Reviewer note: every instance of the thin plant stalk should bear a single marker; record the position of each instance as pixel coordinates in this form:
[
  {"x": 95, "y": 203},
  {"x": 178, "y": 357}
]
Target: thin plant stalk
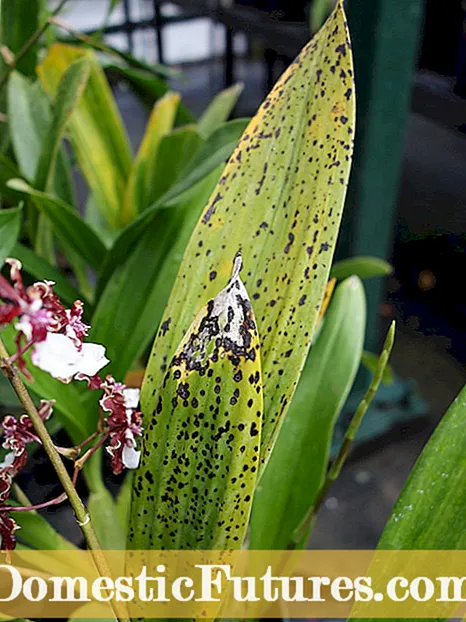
[
  {"x": 337, "y": 465},
  {"x": 81, "y": 514}
]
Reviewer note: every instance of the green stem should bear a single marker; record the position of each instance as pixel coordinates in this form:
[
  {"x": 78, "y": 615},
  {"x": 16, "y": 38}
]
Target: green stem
[
  {"x": 29, "y": 43},
  {"x": 350, "y": 434},
  {"x": 81, "y": 514}
]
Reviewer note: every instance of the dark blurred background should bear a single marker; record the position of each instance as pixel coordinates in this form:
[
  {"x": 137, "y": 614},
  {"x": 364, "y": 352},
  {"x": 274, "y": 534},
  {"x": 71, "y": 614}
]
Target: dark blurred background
[{"x": 406, "y": 201}]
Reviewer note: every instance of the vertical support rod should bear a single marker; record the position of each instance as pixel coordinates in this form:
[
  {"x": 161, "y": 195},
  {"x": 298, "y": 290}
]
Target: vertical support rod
[
  {"x": 229, "y": 57},
  {"x": 158, "y": 32},
  {"x": 385, "y": 36},
  {"x": 128, "y": 25}
]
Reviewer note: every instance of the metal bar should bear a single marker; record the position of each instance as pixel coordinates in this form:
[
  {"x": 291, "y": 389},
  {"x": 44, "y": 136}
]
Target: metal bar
[
  {"x": 127, "y": 22},
  {"x": 229, "y": 57},
  {"x": 159, "y": 23}
]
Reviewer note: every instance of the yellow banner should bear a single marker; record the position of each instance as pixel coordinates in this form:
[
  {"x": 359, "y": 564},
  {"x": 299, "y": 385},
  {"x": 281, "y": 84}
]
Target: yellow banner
[{"x": 234, "y": 584}]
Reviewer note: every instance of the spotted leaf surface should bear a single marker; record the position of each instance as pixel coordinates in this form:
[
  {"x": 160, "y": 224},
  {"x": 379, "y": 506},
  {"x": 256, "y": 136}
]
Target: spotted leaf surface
[
  {"x": 201, "y": 447},
  {"x": 279, "y": 201}
]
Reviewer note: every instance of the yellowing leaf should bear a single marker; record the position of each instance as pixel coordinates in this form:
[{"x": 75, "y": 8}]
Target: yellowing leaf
[
  {"x": 97, "y": 133},
  {"x": 279, "y": 201},
  {"x": 201, "y": 451},
  {"x": 138, "y": 194}
]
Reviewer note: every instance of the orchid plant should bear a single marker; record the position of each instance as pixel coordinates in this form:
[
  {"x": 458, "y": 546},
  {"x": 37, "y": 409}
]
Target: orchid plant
[{"x": 255, "y": 353}]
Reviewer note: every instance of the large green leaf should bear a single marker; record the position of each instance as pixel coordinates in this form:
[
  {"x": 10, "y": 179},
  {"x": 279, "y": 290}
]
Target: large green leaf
[
  {"x": 145, "y": 279},
  {"x": 8, "y": 170},
  {"x": 219, "y": 110},
  {"x": 195, "y": 488},
  {"x": 430, "y": 513},
  {"x": 299, "y": 460},
  {"x": 68, "y": 226},
  {"x": 10, "y": 222},
  {"x": 70, "y": 89},
  {"x": 97, "y": 133},
  {"x": 141, "y": 186},
  {"x": 279, "y": 201}
]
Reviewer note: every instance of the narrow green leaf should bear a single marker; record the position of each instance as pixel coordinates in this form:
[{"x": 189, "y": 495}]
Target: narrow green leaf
[
  {"x": 279, "y": 201},
  {"x": 363, "y": 267},
  {"x": 68, "y": 226},
  {"x": 175, "y": 153},
  {"x": 296, "y": 470},
  {"x": 70, "y": 89},
  {"x": 19, "y": 21},
  {"x": 8, "y": 170},
  {"x": 30, "y": 118},
  {"x": 215, "y": 150},
  {"x": 42, "y": 270},
  {"x": 38, "y": 533},
  {"x": 369, "y": 361},
  {"x": 10, "y": 223},
  {"x": 195, "y": 487},
  {"x": 103, "y": 512},
  {"x": 97, "y": 133},
  {"x": 149, "y": 87},
  {"x": 123, "y": 502},
  {"x": 141, "y": 186},
  {"x": 145, "y": 278},
  {"x": 219, "y": 110}
]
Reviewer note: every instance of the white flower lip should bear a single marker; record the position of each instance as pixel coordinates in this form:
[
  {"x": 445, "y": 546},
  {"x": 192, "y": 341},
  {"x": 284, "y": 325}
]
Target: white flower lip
[
  {"x": 59, "y": 356},
  {"x": 131, "y": 397},
  {"x": 130, "y": 457}
]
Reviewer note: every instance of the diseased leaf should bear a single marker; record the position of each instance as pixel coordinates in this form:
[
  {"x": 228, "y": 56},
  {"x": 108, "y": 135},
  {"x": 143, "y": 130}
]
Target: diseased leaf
[
  {"x": 363, "y": 267},
  {"x": 140, "y": 189},
  {"x": 10, "y": 222},
  {"x": 68, "y": 226},
  {"x": 219, "y": 110},
  {"x": 299, "y": 460},
  {"x": 198, "y": 473},
  {"x": 97, "y": 133},
  {"x": 279, "y": 201}
]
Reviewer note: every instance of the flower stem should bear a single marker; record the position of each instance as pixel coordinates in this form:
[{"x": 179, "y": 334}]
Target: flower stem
[{"x": 82, "y": 517}]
